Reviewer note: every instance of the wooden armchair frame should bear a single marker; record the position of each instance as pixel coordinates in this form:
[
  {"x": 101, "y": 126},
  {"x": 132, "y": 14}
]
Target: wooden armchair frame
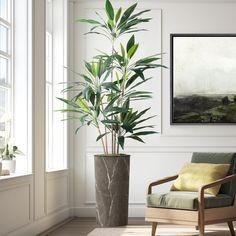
[{"x": 198, "y": 218}]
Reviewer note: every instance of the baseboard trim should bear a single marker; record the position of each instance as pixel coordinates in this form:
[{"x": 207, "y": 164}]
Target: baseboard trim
[
  {"x": 134, "y": 211},
  {"x": 55, "y": 227}
]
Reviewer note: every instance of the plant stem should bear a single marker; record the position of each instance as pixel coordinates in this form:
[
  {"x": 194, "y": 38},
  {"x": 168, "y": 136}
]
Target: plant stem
[
  {"x": 103, "y": 145},
  {"x": 112, "y": 133},
  {"x": 106, "y": 143}
]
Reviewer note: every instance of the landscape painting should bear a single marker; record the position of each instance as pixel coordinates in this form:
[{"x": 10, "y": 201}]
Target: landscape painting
[{"x": 203, "y": 79}]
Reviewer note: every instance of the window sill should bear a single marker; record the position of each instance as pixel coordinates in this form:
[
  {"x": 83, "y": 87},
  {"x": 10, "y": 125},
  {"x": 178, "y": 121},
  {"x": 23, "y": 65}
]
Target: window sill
[
  {"x": 14, "y": 175},
  {"x": 56, "y": 170}
]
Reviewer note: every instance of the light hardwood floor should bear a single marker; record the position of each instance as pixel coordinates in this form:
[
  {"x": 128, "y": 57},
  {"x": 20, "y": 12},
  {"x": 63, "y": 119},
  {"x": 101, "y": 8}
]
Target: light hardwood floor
[{"x": 82, "y": 226}]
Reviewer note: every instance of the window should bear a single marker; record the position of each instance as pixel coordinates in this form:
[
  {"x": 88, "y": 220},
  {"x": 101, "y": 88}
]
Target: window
[
  {"x": 56, "y": 75},
  {"x": 5, "y": 70},
  {"x": 15, "y": 79}
]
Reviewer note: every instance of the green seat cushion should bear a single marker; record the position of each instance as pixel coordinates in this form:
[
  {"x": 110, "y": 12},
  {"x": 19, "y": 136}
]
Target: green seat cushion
[
  {"x": 219, "y": 158},
  {"x": 186, "y": 200}
]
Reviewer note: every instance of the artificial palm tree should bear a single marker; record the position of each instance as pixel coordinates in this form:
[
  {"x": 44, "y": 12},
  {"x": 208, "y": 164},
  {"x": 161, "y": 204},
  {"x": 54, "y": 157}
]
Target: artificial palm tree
[{"x": 112, "y": 83}]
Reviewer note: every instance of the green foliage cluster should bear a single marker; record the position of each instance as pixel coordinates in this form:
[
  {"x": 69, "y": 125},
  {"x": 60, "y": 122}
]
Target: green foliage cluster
[
  {"x": 10, "y": 152},
  {"x": 112, "y": 80}
]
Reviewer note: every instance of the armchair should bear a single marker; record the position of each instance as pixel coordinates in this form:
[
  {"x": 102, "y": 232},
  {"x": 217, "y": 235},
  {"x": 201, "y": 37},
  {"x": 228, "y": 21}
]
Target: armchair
[{"x": 196, "y": 208}]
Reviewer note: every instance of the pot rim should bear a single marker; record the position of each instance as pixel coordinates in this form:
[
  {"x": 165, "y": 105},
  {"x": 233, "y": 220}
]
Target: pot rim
[{"x": 112, "y": 155}]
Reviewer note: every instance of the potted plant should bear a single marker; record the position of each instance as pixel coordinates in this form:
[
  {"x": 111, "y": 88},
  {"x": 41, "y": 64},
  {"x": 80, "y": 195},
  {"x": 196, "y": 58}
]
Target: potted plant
[
  {"x": 106, "y": 93},
  {"x": 9, "y": 158}
]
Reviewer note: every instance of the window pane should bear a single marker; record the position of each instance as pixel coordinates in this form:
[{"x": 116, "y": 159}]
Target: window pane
[
  {"x": 3, "y": 9},
  {"x": 3, "y": 70},
  {"x": 3, "y": 108},
  {"x": 3, "y": 100},
  {"x": 3, "y": 38}
]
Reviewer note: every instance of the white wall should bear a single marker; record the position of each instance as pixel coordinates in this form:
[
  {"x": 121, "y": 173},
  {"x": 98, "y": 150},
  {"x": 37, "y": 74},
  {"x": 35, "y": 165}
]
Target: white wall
[{"x": 162, "y": 154}]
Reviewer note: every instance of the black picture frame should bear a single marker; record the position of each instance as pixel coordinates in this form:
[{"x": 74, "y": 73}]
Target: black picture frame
[{"x": 184, "y": 118}]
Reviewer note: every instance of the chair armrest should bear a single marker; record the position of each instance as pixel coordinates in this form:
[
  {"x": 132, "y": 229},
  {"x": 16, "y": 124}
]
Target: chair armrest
[
  {"x": 210, "y": 185},
  {"x": 161, "y": 181}
]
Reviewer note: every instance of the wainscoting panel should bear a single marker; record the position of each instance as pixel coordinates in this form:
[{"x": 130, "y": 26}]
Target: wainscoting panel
[
  {"x": 15, "y": 205},
  {"x": 56, "y": 191}
]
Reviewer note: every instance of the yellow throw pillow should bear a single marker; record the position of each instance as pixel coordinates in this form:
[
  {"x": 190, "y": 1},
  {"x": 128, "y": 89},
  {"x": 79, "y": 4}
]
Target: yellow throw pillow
[{"x": 193, "y": 175}]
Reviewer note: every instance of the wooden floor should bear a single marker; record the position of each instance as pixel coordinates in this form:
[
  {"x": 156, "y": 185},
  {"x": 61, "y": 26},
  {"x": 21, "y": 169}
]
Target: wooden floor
[{"x": 82, "y": 226}]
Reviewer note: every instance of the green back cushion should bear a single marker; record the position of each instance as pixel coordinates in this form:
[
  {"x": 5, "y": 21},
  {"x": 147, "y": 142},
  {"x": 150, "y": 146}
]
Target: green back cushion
[{"x": 219, "y": 158}]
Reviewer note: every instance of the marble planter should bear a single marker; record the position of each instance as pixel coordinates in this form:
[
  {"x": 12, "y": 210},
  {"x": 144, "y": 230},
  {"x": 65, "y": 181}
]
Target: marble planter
[{"x": 112, "y": 189}]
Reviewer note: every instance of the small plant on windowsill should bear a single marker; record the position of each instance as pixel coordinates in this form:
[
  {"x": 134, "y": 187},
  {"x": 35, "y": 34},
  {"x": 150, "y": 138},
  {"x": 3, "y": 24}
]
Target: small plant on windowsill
[{"x": 9, "y": 157}]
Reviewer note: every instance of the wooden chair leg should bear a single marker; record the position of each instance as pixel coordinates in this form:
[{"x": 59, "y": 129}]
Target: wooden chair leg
[
  {"x": 231, "y": 228},
  {"x": 154, "y": 227},
  {"x": 201, "y": 218},
  {"x": 201, "y": 230}
]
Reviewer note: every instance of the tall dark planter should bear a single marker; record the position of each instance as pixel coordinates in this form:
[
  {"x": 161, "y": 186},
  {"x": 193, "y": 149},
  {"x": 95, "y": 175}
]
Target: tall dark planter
[{"x": 112, "y": 189}]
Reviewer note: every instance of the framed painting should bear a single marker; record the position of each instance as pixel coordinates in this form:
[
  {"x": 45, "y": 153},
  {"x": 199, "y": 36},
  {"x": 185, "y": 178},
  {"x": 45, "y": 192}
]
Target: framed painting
[{"x": 203, "y": 78}]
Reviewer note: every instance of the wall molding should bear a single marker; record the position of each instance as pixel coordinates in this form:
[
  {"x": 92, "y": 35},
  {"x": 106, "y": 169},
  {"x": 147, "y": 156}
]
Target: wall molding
[
  {"x": 43, "y": 224},
  {"x": 170, "y": 149},
  {"x": 134, "y": 211}
]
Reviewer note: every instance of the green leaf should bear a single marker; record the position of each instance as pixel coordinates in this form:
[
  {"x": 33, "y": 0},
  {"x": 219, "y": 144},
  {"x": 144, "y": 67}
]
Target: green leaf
[
  {"x": 88, "y": 67},
  {"x": 100, "y": 136},
  {"x": 68, "y": 110},
  {"x": 136, "y": 138},
  {"x": 118, "y": 14},
  {"x": 110, "y": 25},
  {"x": 90, "y": 21},
  {"x": 144, "y": 127},
  {"x": 132, "y": 50},
  {"x": 94, "y": 70},
  {"x": 127, "y": 14},
  {"x": 110, "y": 122},
  {"x": 141, "y": 82},
  {"x": 122, "y": 50},
  {"x": 147, "y": 60},
  {"x": 116, "y": 109},
  {"x": 112, "y": 101},
  {"x": 111, "y": 85},
  {"x": 86, "y": 78},
  {"x": 139, "y": 13},
  {"x": 109, "y": 10},
  {"x": 139, "y": 72},
  {"x": 141, "y": 121},
  {"x": 130, "y": 43},
  {"x": 145, "y": 133},
  {"x": 77, "y": 130},
  {"x": 131, "y": 80},
  {"x": 121, "y": 141},
  {"x": 83, "y": 119},
  {"x": 69, "y": 102},
  {"x": 83, "y": 104}
]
